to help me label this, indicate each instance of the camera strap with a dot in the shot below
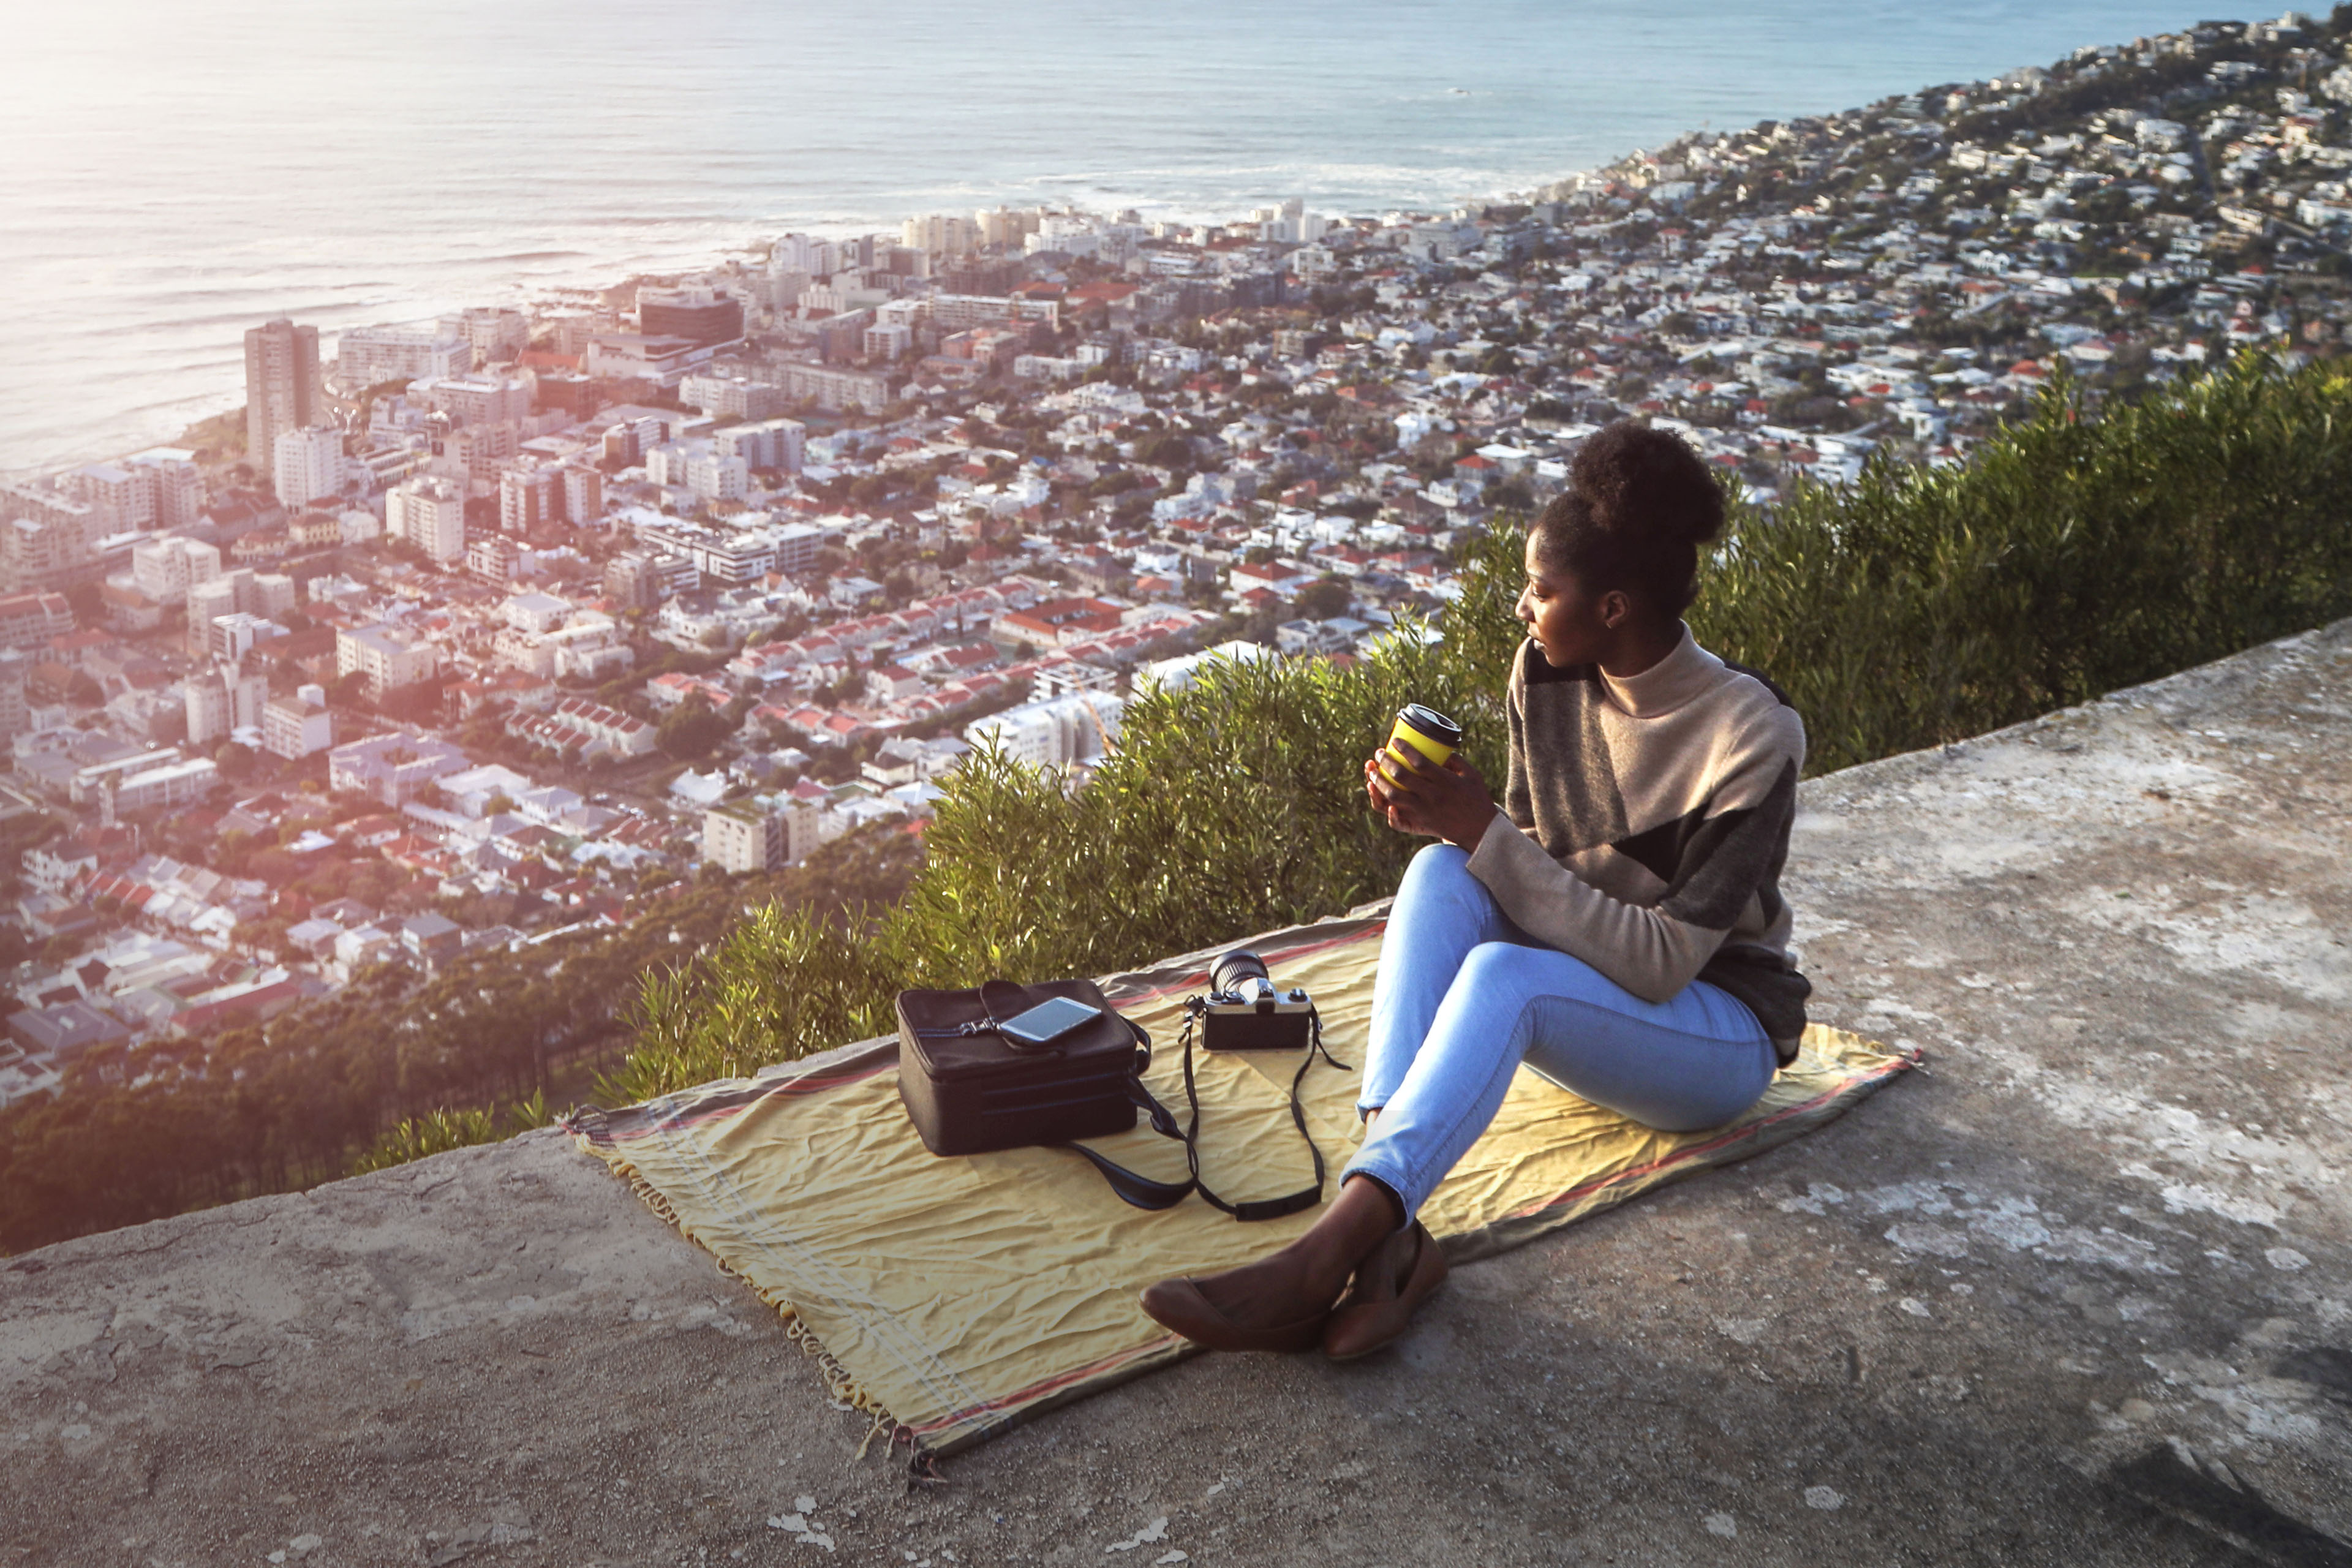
(1145, 1193)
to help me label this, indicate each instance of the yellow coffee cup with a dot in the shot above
(1424, 730)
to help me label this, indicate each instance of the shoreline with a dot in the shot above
(532, 296)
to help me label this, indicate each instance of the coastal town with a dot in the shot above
(477, 632)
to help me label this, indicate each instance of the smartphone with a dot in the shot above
(1048, 1021)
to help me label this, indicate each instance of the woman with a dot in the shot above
(1615, 923)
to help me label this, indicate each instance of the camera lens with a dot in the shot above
(1230, 975)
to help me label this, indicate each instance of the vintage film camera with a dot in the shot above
(1245, 1012)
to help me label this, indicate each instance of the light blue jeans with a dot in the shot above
(1463, 996)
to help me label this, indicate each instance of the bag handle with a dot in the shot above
(1145, 1193)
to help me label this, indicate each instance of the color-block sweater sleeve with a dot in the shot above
(1645, 825)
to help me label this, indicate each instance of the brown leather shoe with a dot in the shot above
(1401, 1274)
(1178, 1304)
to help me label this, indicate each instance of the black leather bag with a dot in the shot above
(970, 1088)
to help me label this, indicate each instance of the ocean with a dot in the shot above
(176, 172)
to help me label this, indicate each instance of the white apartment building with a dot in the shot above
(231, 593)
(366, 356)
(36, 555)
(231, 637)
(174, 784)
(494, 335)
(716, 477)
(474, 398)
(770, 444)
(393, 767)
(223, 698)
(273, 594)
(308, 465)
(742, 836)
(299, 725)
(166, 569)
(535, 612)
(745, 835)
(804, 253)
(1005, 226)
(430, 513)
(732, 556)
(956, 312)
(389, 657)
(941, 234)
(832, 387)
(155, 489)
(1077, 728)
(721, 396)
(179, 485)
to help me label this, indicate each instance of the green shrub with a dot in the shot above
(2073, 555)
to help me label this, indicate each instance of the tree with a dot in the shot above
(692, 731)
(1320, 601)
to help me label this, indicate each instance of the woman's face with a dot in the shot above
(1569, 623)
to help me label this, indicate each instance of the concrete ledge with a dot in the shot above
(2080, 1296)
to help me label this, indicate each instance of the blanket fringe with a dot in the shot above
(840, 1384)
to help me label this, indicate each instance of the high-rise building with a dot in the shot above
(178, 484)
(430, 513)
(703, 315)
(309, 465)
(281, 386)
(16, 715)
(583, 492)
(529, 498)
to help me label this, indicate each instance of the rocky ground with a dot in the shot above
(2077, 1295)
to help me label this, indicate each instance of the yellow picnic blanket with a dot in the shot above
(955, 1297)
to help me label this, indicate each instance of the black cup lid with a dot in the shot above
(1432, 723)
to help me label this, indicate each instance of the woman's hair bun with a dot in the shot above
(1639, 504)
(1649, 479)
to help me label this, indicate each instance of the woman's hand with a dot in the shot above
(1452, 803)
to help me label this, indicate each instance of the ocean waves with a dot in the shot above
(176, 176)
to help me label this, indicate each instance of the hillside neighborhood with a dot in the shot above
(511, 625)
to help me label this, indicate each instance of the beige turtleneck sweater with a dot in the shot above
(1644, 825)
